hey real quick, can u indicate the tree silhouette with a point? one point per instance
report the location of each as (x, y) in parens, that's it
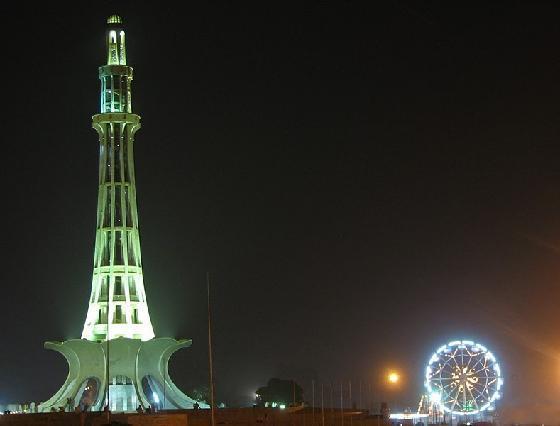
(281, 392)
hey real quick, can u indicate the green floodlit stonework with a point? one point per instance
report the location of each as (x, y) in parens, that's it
(118, 362)
(117, 306)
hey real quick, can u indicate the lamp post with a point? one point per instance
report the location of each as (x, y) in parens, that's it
(392, 381)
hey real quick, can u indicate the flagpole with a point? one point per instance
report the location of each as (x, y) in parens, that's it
(322, 407)
(107, 372)
(313, 402)
(350, 399)
(210, 366)
(341, 406)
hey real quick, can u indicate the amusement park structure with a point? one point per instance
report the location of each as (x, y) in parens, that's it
(463, 380)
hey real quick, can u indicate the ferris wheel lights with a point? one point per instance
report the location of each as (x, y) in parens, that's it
(464, 376)
(497, 369)
(435, 397)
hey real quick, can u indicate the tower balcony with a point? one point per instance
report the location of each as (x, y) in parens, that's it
(132, 331)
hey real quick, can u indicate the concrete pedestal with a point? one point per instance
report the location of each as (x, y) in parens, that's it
(137, 371)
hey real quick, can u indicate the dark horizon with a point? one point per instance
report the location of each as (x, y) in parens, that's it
(364, 184)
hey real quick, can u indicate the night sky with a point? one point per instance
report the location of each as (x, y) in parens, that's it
(364, 185)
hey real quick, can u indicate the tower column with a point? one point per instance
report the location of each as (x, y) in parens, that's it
(117, 363)
(117, 306)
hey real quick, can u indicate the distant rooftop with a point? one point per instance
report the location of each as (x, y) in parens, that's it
(114, 19)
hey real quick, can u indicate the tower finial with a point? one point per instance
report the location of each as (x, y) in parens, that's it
(114, 19)
(116, 50)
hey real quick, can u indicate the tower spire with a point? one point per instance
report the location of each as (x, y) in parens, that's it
(116, 48)
(117, 306)
(117, 363)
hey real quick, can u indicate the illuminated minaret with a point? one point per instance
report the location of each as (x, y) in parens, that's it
(117, 290)
(118, 363)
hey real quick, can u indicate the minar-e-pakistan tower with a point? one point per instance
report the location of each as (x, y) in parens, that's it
(118, 362)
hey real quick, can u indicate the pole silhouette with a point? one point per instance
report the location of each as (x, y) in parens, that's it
(210, 366)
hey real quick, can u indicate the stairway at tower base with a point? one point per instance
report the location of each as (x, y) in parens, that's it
(138, 372)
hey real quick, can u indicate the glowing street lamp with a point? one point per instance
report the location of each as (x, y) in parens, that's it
(393, 377)
(393, 385)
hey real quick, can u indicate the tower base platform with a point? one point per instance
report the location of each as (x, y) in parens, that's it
(137, 371)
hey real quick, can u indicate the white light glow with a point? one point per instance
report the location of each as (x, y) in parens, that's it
(435, 397)
(497, 369)
(451, 367)
(407, 416)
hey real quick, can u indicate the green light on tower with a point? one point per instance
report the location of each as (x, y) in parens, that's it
(118, 306)
(118, 363)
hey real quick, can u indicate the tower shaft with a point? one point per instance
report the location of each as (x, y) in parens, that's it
(117, 305)
(117, 363)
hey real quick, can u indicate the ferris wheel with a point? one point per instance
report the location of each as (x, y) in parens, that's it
(463, 377)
